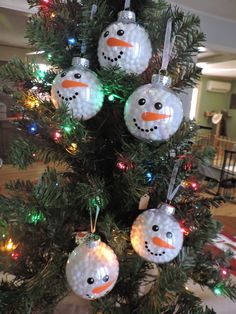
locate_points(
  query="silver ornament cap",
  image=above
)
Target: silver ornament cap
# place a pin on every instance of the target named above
(126, 16)
(94, 240)
(80, 62)
(163, 80)
(169, 210)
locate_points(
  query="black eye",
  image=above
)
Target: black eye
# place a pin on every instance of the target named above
(155, 228)
(169, 235)
(120, 32)
(90, 280)
(142, 101)
(63, 74)
(106, 278)
(106, 33)
(77, 76)
(158, 105)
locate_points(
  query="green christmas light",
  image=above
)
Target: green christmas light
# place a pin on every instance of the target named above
(217, 290)
(96, 202)
(49, 56)
(35, 217)
(111, 97)
(67, 129)
(41, 74)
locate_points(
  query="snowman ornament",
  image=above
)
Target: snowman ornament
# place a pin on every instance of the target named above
(125, 44)
(156, 235)
(92, 268)
(79, 88)
(153, 112)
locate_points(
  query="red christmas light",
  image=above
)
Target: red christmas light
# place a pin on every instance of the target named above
(122, 166)
(187, 162)
(224, 272)
(184, 229)
(15, 255)
(57, 136)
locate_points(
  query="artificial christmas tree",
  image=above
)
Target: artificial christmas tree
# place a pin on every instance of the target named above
(110, 174)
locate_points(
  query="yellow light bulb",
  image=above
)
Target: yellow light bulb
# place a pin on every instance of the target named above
(10, 245)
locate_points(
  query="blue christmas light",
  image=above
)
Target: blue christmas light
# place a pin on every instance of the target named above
(71, 41)
(149, 177)
(33, 128)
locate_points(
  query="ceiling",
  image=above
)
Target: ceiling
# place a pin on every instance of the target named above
(14, 14)
(12, 27)
(224, 9)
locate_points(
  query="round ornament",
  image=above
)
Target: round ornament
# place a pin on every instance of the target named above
(125, 44)
(156, 235)
(80, 89)
(153, 112)
(92, 268)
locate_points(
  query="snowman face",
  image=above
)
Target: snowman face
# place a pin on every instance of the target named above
(153, 113)
(125, 45)
(156, 236)
(92, 272)
(81, 90)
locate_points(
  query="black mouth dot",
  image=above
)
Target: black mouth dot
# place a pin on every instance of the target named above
(114, 59)
(152, 253)
(70, 98)
(144, 130)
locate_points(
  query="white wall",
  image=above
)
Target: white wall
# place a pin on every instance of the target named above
(7, 52)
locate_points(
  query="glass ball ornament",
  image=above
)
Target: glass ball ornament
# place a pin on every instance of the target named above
(156, 235)
(80, 89)
(153, 112)
(125, 44)
(92, 269)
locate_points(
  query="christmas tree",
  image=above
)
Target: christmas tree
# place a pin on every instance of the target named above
(124, 224)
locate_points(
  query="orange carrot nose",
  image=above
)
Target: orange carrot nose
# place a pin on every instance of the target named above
(114, 42)
(159, 242)
(102, 287)
(151, 116)
(69, 84)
